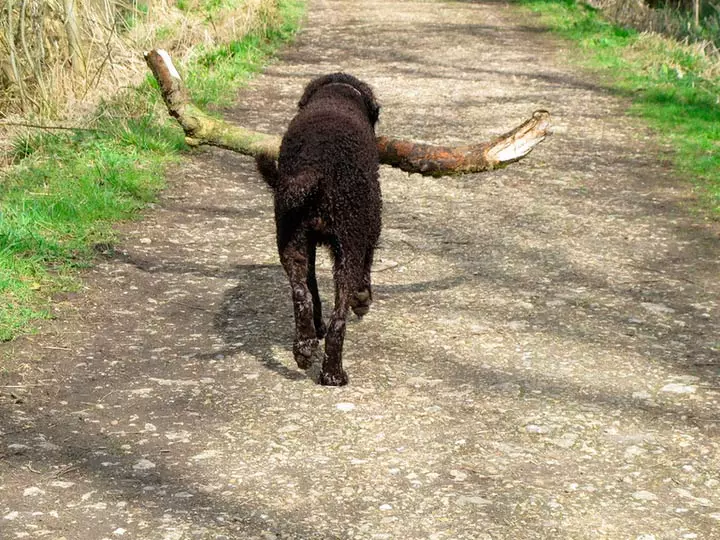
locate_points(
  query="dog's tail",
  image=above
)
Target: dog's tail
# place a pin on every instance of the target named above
(267, 167)
(294, 190)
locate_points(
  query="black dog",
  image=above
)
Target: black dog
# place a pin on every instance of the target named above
(327, 192)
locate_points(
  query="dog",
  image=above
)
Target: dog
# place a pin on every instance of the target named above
(327, 192)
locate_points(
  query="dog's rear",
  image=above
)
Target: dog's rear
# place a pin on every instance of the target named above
(327, 192)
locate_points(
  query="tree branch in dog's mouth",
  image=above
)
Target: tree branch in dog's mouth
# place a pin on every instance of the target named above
(410, 156)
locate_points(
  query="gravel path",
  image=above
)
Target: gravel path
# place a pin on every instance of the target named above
(541, 360)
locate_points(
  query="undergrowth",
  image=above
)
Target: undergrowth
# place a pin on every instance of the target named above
(67, 189)
(675, 87)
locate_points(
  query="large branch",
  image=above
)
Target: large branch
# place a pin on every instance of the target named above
(414, 157)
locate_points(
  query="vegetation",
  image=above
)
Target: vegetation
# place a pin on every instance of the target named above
(675, 87)
(67, 187)
(691, 20)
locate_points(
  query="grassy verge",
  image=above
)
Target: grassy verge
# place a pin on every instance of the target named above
(673, 86)
(66, 189)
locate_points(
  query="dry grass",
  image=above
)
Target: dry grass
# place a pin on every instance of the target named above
(668, 21)
(43, 76)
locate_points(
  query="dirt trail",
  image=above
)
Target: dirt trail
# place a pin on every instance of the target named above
(541, 360)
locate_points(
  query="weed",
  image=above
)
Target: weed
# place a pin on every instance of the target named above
(675, 87)
(67, 189)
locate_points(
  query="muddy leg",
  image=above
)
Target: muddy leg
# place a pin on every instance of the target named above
(346, 283)
(361, 300)
(295, 261)
(312, 285)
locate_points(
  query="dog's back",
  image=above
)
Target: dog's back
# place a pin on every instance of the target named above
(328, 158)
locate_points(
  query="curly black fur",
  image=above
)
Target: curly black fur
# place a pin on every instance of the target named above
(327, 192)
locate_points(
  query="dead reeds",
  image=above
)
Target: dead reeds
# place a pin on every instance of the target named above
(59, 57)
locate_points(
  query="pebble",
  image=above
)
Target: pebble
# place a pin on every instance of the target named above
(62, 485)
(644, 496)
(679, 388)
(345, 406)
(144, 465)
(207, 454)
(657, 308)
(33, 492)
(385, 507)
(478, 501)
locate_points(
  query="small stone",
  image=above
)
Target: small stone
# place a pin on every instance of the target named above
(644, 496)
(532, 428)
(657, 308)
(385, 507)
(145, 241)
(458, 476)
(634, 451)
(566, 440)
(12, 515)
(33, 492)
(345, 406)
(50, 447)
(678, 388)
(645, 537)
(119, 531)
(207, 454)
(62, 485)
(477, 501)
(144, 465)
(18, 448)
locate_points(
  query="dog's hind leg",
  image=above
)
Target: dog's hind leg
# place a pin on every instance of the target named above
(294, 255)
(320, 328)
(361, 300)
(347, 279)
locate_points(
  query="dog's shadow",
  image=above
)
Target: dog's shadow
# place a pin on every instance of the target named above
(256, 318)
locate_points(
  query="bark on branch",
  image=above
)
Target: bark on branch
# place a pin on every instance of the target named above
(413, 157)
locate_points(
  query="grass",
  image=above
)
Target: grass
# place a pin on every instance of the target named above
(216, 73)
(68, 188)
(674, 87)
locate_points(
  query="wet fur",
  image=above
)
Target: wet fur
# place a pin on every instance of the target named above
(326, 191)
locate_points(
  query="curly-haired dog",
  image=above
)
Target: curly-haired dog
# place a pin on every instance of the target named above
(327, 192)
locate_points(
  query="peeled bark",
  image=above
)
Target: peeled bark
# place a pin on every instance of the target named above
(413, 157)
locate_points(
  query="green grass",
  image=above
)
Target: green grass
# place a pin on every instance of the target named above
(215, 74)
(67, 189)
(672, 86)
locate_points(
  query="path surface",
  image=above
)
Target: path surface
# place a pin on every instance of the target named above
(541, 360)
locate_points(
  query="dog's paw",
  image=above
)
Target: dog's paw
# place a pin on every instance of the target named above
(334, 378)
(303, 351)
(360, 302)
